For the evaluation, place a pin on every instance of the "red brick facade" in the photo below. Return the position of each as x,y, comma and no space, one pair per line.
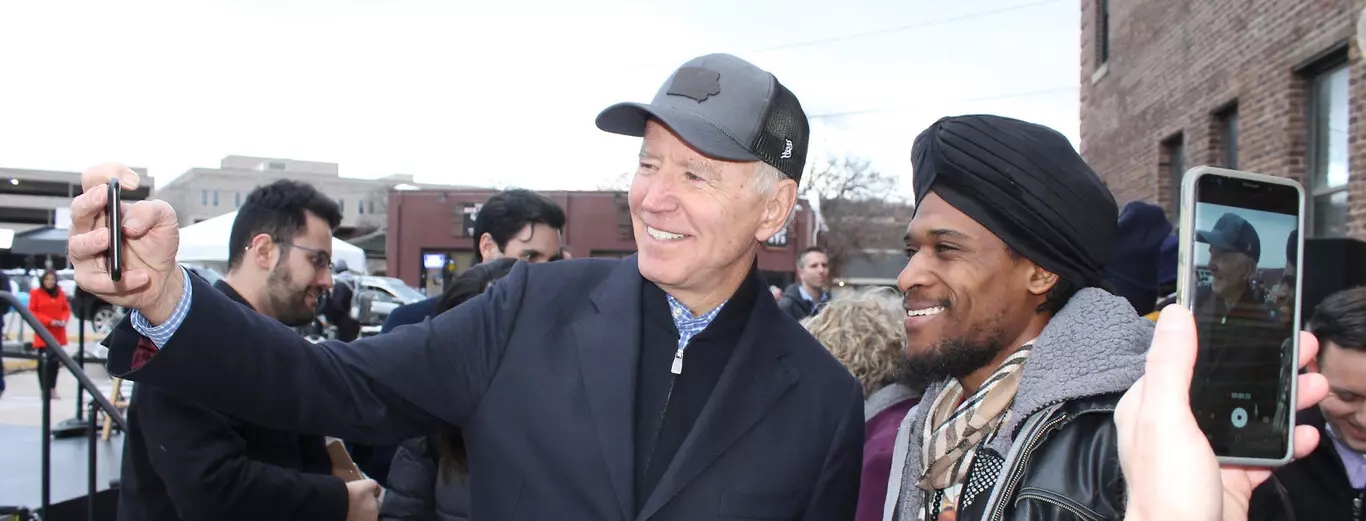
1176,68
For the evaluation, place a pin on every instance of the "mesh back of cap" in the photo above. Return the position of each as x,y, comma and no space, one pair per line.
783,139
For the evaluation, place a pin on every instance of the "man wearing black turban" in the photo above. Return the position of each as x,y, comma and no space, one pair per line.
1008,248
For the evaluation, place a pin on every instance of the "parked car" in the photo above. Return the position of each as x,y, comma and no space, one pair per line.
19,284
376,297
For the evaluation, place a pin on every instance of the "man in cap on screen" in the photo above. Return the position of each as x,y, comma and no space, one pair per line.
1008,248
1232,317
664,386
1235,248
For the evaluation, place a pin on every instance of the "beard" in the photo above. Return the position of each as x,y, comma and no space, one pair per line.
288,303
955,357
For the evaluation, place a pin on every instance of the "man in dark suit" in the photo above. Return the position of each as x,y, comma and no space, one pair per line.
569,379
183,461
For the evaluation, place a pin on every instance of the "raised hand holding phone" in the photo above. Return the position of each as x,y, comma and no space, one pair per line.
1239,237
150,280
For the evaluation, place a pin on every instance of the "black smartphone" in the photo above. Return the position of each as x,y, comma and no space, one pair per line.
1240,267
112,208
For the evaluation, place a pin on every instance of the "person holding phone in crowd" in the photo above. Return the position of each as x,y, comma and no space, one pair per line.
568,380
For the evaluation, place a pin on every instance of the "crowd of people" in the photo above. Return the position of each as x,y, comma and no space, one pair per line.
1022,369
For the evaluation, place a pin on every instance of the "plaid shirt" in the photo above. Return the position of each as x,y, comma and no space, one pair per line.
688,325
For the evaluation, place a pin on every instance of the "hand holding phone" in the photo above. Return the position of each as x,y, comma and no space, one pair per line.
1170,470
114,257
1240,245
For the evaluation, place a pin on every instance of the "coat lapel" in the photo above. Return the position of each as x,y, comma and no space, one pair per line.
608,339
752,382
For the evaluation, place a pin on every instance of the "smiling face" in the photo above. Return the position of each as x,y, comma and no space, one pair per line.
1283,295
1345,406
299,277
967,296
1229,271
698,221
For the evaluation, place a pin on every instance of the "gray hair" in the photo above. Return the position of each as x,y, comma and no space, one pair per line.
767,177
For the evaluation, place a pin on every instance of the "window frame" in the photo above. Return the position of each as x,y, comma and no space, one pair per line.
1314,76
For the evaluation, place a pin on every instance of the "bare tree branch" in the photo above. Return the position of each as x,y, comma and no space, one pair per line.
859,207
618,183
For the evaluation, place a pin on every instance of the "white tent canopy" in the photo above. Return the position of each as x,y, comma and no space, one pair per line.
207,242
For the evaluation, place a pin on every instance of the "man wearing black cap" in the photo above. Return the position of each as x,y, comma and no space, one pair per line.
1008,247
1235,248
663,386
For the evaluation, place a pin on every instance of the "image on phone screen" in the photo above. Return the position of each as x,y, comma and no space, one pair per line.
1246,237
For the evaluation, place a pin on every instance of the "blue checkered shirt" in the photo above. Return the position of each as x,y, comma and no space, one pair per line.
689,326
161,334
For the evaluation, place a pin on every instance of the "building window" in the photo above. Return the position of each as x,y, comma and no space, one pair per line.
215,197
204,197
237,199
1102,32
360,206
624,226
371,205
1329,117
275,165
1174,167
341,206
1226,123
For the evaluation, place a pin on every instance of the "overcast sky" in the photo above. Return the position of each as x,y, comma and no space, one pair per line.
501,93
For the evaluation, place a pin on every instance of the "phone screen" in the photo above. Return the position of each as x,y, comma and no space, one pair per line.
1245,254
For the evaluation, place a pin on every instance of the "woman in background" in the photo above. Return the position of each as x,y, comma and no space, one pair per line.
429,478
865,331
48,302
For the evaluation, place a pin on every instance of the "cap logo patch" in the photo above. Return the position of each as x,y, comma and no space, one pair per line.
696,83
787,150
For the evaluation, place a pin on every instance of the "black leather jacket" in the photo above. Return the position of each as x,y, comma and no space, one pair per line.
1063,466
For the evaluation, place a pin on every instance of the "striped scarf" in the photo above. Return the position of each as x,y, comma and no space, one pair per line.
952,434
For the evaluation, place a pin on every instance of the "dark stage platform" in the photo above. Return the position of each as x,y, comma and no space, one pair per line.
21,470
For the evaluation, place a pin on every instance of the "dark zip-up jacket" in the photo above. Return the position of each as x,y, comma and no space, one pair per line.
1058,452
1312,488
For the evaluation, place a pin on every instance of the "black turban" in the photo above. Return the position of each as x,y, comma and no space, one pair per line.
1026,184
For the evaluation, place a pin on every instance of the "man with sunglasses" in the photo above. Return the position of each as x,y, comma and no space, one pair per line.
182,461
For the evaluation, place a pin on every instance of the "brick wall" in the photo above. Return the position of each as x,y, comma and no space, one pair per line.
1175,64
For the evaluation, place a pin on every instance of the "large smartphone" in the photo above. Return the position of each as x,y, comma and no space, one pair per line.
114,255
1241,251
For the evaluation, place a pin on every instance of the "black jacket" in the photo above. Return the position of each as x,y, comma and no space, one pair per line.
419,492
794,305
1312,488
185,462
1067,470
1057,453
538,374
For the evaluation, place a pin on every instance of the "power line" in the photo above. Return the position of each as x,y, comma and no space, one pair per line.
890,30
877,32
831,115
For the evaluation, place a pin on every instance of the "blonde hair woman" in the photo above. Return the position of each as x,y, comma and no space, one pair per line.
866,332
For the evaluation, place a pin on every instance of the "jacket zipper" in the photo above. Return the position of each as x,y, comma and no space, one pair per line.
1044,498
1356,506
674,371
1017,471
